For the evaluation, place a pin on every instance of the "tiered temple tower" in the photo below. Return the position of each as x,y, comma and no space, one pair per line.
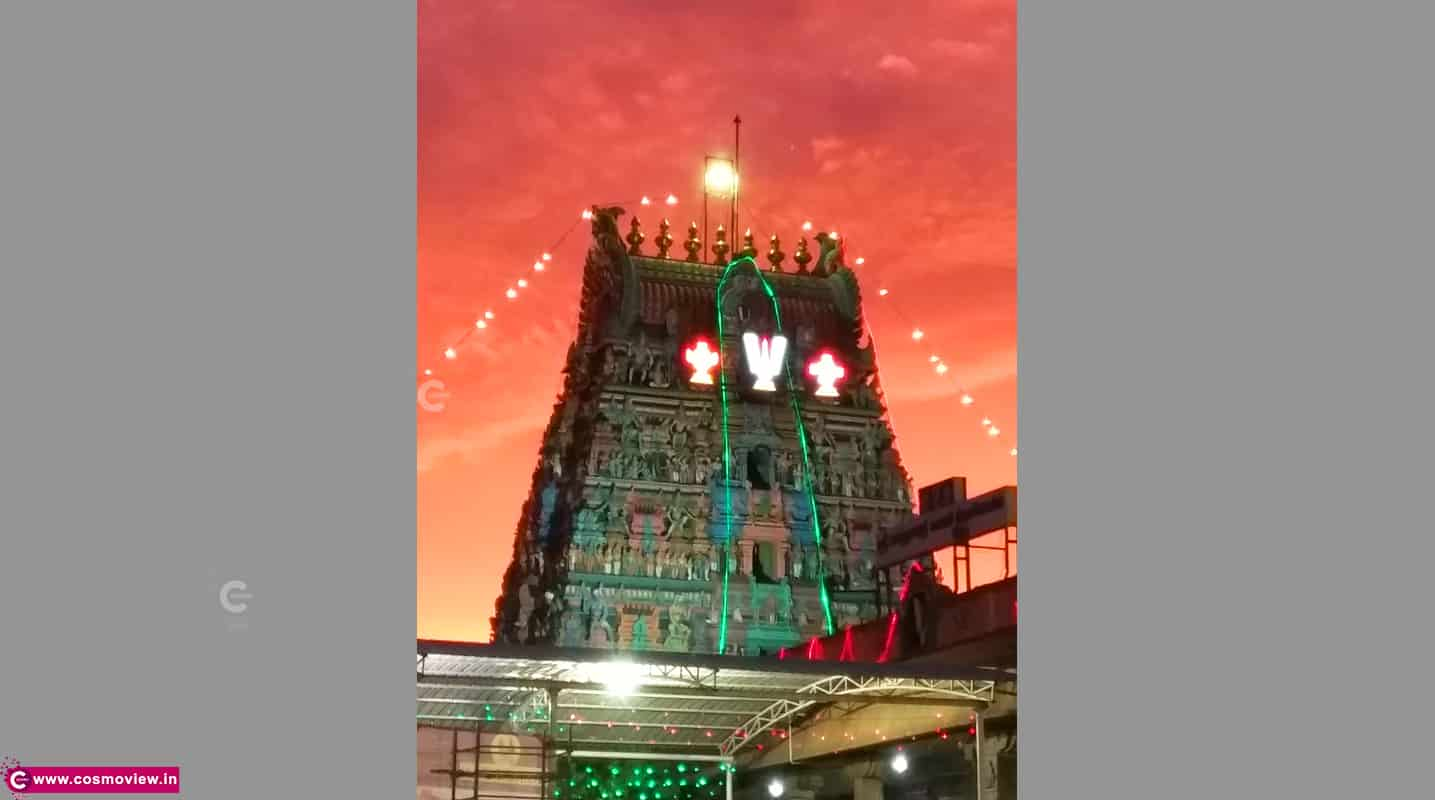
719,461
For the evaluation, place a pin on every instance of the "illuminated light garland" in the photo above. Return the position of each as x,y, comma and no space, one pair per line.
451,352
940,367
892,620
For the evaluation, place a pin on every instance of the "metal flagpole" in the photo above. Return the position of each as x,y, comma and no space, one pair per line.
736,176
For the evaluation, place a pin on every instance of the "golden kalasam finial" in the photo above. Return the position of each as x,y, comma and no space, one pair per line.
635,238
693,245
775,254
802,257
720,246
748,249
664,241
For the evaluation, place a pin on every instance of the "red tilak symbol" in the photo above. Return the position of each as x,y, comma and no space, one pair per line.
827,372
702,359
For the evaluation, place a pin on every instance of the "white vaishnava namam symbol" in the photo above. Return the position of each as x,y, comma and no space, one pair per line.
827,372
764,358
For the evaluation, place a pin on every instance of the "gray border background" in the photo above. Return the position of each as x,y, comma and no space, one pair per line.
1224,288
207,328
206,322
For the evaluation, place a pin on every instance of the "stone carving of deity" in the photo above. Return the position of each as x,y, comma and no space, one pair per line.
679,632
600,632
621,363
640,633
572,634
679,428
610,364
658,369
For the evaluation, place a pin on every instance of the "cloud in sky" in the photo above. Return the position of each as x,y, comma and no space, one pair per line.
903,139
900,65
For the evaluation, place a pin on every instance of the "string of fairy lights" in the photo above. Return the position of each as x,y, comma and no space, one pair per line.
486,319
889,300
938,363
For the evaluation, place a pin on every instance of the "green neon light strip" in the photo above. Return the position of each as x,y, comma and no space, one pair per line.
795,398
726,463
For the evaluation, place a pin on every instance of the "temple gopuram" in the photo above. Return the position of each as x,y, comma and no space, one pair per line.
719,463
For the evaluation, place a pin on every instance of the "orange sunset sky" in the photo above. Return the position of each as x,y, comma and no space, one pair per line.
893,123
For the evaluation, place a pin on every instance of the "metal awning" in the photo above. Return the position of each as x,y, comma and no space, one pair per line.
655,703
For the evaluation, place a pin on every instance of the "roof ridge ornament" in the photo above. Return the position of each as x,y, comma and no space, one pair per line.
664,241
635,237
693,245
720,246
802,257
775,254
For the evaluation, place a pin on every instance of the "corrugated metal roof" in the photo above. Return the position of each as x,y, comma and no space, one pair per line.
680,702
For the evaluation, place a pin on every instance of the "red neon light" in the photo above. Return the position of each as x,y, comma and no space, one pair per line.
846,654
814,649
891,635
702,359
782,654
827,372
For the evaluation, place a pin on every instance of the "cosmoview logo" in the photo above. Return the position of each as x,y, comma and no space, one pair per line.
232,596
17,778
432,394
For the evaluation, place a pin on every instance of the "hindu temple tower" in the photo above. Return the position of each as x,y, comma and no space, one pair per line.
719,462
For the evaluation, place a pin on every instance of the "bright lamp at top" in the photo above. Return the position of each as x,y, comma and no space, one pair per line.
720,178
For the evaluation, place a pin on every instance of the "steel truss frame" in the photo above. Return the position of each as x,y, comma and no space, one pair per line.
906,690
